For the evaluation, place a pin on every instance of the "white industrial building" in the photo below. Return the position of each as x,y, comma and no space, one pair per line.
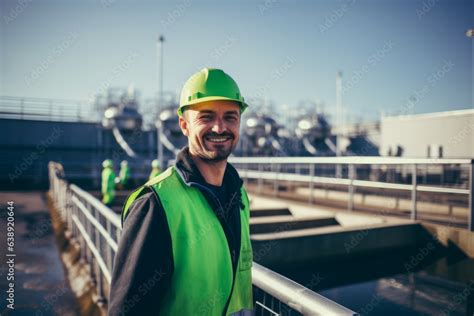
433,135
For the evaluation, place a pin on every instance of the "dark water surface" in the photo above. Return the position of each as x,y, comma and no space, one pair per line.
429,281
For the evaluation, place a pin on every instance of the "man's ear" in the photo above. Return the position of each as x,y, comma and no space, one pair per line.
183,124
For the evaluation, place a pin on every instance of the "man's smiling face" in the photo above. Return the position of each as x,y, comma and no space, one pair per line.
212,129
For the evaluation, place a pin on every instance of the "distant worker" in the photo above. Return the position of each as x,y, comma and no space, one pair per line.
108,182
155,169
124,174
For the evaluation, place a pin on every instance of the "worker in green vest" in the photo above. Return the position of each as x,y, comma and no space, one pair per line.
124,174
185,246
108,182
155,169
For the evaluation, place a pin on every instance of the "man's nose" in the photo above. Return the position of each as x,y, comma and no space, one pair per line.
219,126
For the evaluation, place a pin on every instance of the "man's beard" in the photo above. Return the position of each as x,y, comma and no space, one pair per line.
219,153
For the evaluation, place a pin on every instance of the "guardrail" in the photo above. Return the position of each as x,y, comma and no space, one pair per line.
94,226
47,109
97,229
344,170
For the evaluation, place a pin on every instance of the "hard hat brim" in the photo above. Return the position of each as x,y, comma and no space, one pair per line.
243,105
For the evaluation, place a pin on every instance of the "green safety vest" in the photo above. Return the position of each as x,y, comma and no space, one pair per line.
203,279
108,185
124,175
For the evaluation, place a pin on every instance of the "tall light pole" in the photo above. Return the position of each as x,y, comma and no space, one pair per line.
470,34
338,111
338,120
159,55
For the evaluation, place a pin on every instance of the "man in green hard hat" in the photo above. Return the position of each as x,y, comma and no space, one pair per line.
187,230
108,182
124,174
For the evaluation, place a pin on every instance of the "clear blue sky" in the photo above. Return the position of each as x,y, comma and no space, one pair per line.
389,51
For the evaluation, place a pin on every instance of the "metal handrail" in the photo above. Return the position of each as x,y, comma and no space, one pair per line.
85,217
268,175
90,223
101,208
47,109
93,248
275,163
96,224
297,297
357,160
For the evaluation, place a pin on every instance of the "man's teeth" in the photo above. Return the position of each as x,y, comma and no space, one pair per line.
218,139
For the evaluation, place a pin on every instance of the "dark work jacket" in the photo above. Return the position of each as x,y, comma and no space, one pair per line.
143,264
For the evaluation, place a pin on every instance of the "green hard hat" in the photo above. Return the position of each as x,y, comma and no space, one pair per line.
108,163
210,84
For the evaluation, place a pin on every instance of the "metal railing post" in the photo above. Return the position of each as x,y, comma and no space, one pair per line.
311,183
109,249
260,180
276,170
413,193
22,106
350,200
471,197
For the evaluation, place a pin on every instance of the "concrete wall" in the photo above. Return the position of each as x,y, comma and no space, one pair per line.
453,130
271,250
461,238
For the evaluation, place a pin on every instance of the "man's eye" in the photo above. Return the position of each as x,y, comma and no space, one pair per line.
231,118
206,117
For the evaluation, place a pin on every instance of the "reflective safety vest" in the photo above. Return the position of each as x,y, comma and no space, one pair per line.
203,282
124,175
108,185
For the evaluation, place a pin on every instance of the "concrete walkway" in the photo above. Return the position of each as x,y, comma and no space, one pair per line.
40,284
